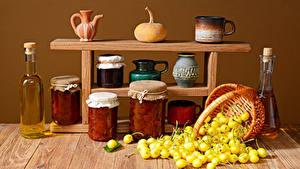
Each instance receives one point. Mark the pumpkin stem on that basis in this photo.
(150, 14)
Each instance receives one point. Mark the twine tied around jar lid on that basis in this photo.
(148, 90)
(67, 86)
(66, 82)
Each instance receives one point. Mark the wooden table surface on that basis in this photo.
(78, 151)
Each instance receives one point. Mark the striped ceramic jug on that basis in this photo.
(86, 30)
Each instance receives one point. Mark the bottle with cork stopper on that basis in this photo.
(31, 97)
(266, 94)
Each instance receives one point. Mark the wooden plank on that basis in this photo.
(54, 152)
(16, 151)
(87, 65)
(211, 70)
(90, 154)
(173, 90)
(122, 127)
(293, 132)
(285, 149)
(134, 45)
(6, 130)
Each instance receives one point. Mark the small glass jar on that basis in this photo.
(148, 107)
(65, 96)
(110, 71)
(103, 110)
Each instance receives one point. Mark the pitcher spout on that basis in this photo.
(96, 19)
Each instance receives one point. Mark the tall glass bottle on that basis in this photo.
(266, 94)
(32, 114)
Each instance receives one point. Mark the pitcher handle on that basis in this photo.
(73, 23)
(166, 65)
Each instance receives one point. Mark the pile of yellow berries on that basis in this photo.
(219, 143)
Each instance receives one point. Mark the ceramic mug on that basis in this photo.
(210, 29)
(183, 111)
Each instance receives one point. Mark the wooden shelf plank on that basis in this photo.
(173, 90)
(134, 45)
(122, 127)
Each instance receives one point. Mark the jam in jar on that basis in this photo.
(110, 71)
(65, 96)
(147, 107)
(102, 121)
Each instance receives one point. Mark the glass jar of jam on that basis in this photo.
(65, 96)
(147, 107)
(103, 110)
(110, 71)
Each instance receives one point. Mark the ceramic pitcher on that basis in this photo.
(145, 70)
(186, 70)
(87, 29)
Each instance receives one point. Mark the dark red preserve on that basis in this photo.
(110, 71)
(65, 99)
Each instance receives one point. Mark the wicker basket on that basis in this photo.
(242, 98)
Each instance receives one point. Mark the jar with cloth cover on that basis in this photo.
(65, 96)
(147, 107)
(102, 115)
(110, 71)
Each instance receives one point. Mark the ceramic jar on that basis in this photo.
(186, 70)
(145, 70)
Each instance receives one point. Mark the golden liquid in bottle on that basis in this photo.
(272, 123)
(32, 115)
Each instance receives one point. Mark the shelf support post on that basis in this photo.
(87, 59)
(210, 71)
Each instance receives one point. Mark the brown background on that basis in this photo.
(261, 23)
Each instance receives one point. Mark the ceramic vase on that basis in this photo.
(87, 29)
(186, 70)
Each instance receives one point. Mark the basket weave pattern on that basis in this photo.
(234, 99)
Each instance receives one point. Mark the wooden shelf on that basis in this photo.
(173, 90)
(122, 127)
(87, 68)
(134, 45)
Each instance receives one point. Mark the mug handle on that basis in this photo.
(166, 65)
(198, 113)
(232, 27)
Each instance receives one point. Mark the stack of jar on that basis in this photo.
(147, 111)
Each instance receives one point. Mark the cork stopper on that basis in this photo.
(30, 45)
(267, 52)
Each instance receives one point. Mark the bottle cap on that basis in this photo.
(267, 52)
(30, 45)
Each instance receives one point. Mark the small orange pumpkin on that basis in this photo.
(150, 32)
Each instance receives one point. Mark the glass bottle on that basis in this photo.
(266, 94)
(32, 115)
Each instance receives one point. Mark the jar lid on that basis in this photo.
(102, 99)
(148, 90)
(65, 82)
(110, 61)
